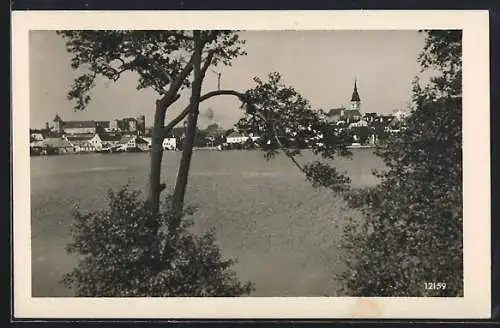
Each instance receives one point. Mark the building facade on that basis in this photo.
(342, 115)
(236, 138)
(85, 142)
(79, 127)
(126, 143)
(128, 125)
(170, 143)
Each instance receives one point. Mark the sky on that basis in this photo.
(321, 65)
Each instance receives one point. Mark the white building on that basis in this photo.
(96, 142)
(113, 125)
(132, 125)
(236, 138)
(126, 143)
(109, 140)
(254, 138)
(79, 127)
(170, 144)
(399, 114)
(358, 124)
(85, 143)
(36, 136)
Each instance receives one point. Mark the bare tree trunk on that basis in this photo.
(155, 187)
(187, 149)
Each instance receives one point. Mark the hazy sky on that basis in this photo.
(321, 65)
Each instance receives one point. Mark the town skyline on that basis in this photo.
(383, 63)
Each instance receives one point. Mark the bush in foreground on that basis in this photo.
(125, 251)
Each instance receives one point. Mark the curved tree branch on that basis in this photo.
(211, 94)
(287, 153)
(115, 73)
(177, 83)
(207, 62)
(187, 110)
(165, 101)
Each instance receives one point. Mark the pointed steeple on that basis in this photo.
(355, 94)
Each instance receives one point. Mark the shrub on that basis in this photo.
(124, 251)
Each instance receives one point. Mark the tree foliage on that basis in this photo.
(167, 62)
(411, 229)
(158, 57)
(122, 254)
(164, 61)
(362, 134)
(285, 122)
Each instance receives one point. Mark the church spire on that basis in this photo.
(355, 94)
(355, 100)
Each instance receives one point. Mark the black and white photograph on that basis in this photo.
(231, 163)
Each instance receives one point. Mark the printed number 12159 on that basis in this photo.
(435, 285)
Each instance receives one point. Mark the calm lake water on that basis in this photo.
(284, 233)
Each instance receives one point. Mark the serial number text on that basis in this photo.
(435, 285)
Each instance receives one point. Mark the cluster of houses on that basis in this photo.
(131, 135)
(89, 143)
(372, 125)
(350, 118)
(364, 129)
(60, 137)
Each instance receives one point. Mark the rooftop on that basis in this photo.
(80, 142)
(80, 137)
(126, 139)
(56, 143)
(235, 134)
(103, 124)
(79, 124)
(351, 113)
(110, 137)
(335, 111)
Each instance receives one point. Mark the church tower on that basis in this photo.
(355, 100)
(57, 123)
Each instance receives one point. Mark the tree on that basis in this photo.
(201, 138)
(164, 61)
(138, 250)
(280, 116)
(177, 132)
(362, 133)
(124, 255)
(411, 229)
(213, 128)
(214, 134)
(248, 144)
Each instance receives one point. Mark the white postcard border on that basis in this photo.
(476, 164)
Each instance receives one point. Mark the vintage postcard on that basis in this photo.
(231, 164)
